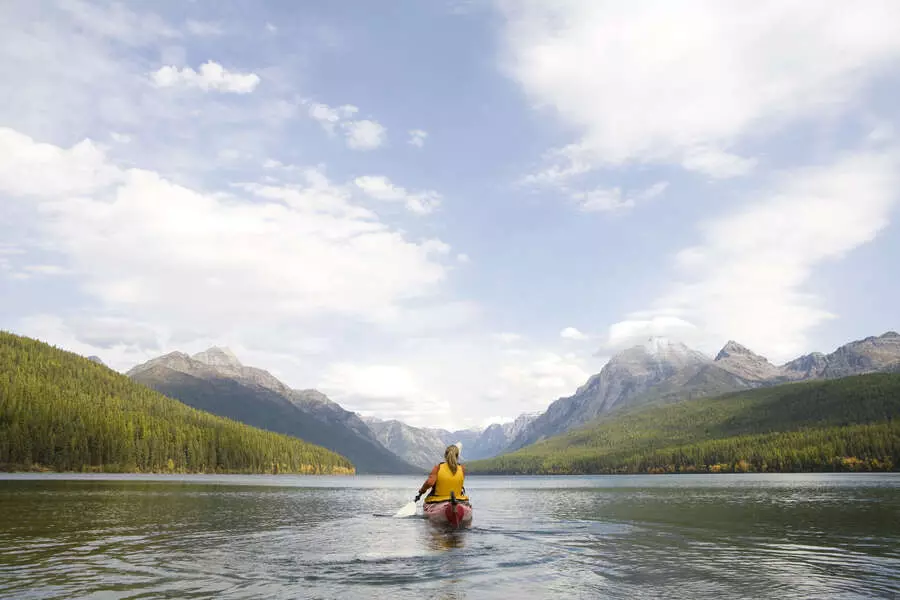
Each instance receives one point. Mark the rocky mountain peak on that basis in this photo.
(218, 357)
(739, 360)
(657, 351)
(176, 361)
(732, 348)
(890, 335)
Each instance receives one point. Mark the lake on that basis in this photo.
(665, 536)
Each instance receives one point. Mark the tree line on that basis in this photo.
(62, 412)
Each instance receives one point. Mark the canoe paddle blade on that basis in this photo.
(408, 510)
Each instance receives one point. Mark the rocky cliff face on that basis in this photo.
(746, 364)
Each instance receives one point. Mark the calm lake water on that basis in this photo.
(720, 536)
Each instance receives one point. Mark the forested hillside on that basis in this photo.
(62, 412)
(850, 424)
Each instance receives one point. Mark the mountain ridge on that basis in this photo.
(216, 381)
(662, 370)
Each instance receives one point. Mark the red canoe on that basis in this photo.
(458, 514)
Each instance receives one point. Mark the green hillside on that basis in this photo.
(850, 424)
(62, 412)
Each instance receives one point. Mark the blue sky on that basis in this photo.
(447, 212)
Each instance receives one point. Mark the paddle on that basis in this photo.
(409, 509)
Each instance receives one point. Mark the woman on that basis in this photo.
(447, 502)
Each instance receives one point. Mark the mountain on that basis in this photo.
(216, 381)
(657, 369)
(664, 371)
(424, 447)
(747, 365)
(63, 412)
(847, 424)
(97, 360)
(421, 447)
(868, 355)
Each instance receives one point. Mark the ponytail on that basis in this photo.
(451, 457)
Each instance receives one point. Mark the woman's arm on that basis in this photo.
(432, 479)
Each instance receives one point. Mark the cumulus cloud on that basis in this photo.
(424, 387)
(363, 134)
(31, 168)
(381, 188)
(211, 77)
(747, 277)
(571, 333)
(143, 243)
(639, 327)
(329, 116)
(417, 137)
(612, 199)
(687, 83)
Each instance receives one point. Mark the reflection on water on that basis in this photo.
(441, 538)
(809, 536)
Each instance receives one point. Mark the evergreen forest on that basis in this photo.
(62, 412)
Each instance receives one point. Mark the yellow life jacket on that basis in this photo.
(447, 482)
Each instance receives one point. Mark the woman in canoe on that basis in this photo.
(447, 502)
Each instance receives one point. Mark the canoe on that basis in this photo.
(454, 514)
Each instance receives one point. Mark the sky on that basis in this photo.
(447, 212)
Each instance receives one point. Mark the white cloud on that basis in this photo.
(365, 134)
(417, 137)
(384, 390)
(424, 384)
(211, 77)
(640, 327)
(29, 168)
(687, 82)
(716, 163)
(539, 379)
(747, 277)
(463, 258)
(143, 244)
(329, 117)
(381, 188)
(571, 333)
(612, 199)
(120, 138)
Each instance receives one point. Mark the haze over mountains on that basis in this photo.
(424, 446)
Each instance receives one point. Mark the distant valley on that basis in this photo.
(424, 447)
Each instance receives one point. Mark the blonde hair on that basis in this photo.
(451, 457)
